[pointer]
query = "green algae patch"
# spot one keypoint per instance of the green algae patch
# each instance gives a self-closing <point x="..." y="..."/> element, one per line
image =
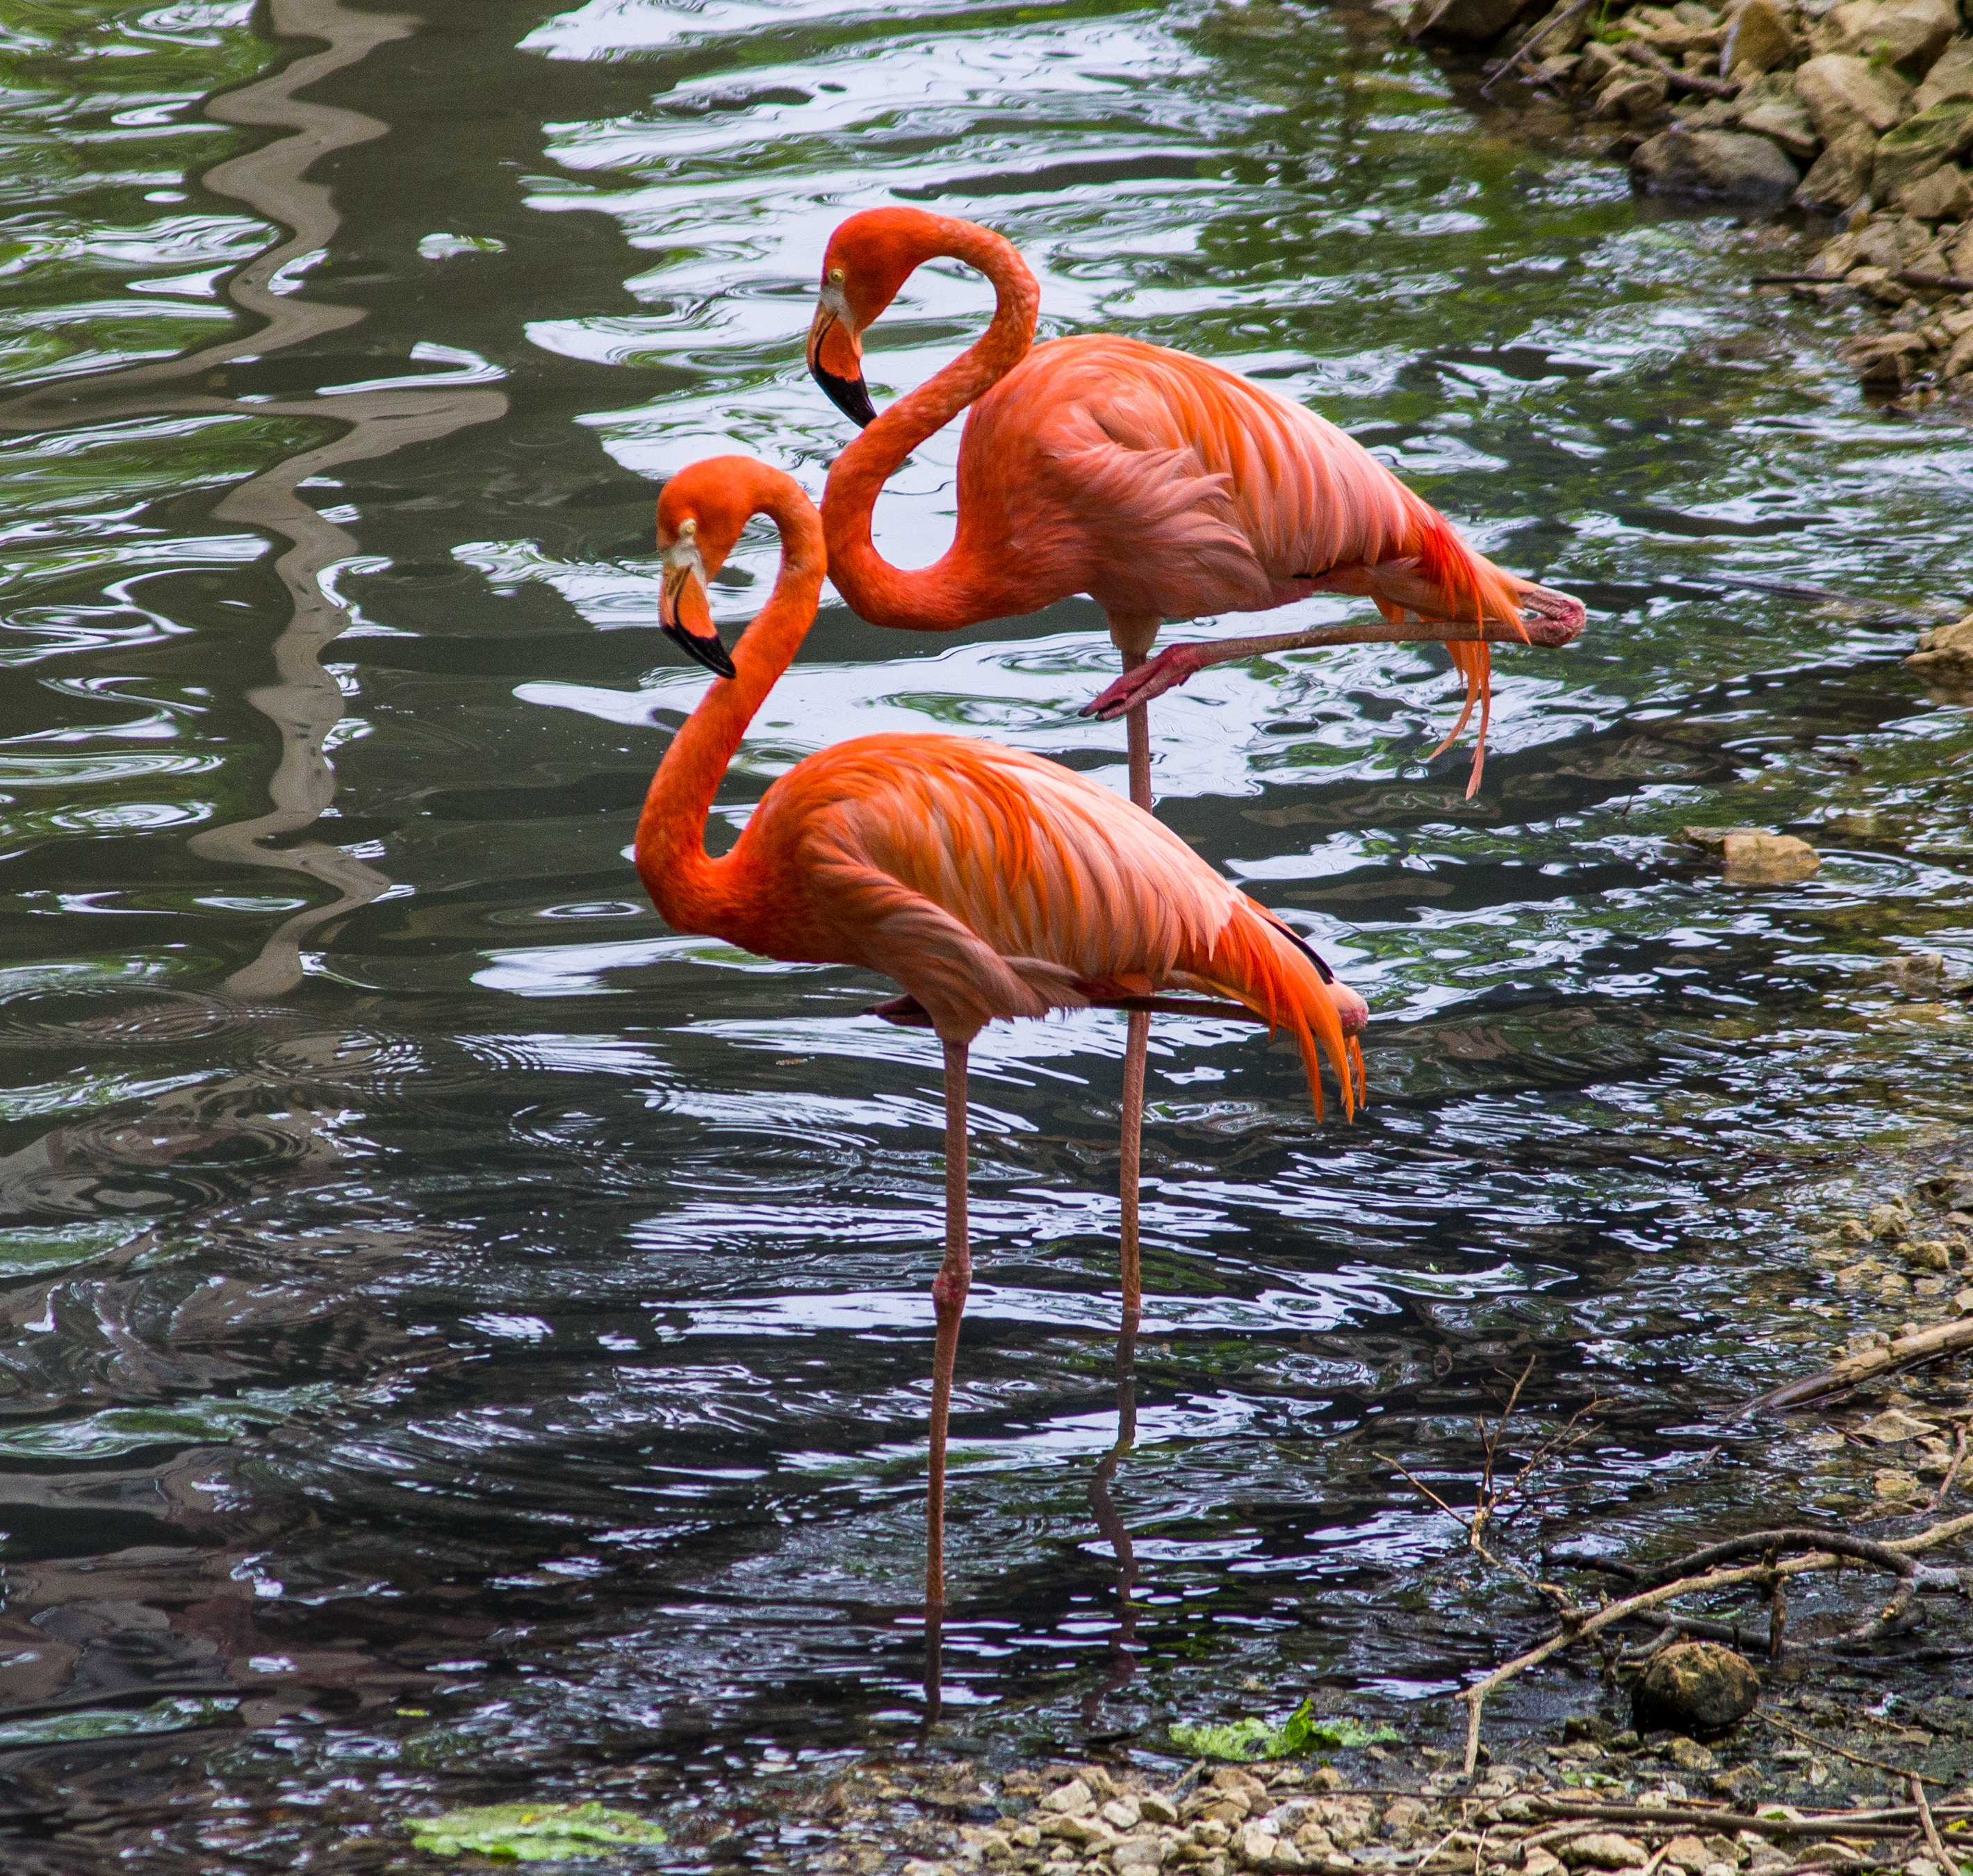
<point x="534" y="1833"/>
<point x="1301" y="1732"/>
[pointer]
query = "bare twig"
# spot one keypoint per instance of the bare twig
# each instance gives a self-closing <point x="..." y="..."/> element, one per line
<point x="1528" y="45"/>
<point x="1927" y="1345"/>
<point x="1951" y="1471"/>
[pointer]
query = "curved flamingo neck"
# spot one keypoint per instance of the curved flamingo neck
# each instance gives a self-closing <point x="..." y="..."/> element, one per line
<point x="951" y="592"/>
<point x="687" y="885"/>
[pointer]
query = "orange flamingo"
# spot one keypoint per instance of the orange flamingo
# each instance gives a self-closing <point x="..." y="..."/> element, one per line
<point x="1161" y="486"/>
<point x="987" y="882"/>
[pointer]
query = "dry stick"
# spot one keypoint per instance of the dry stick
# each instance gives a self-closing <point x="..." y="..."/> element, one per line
<point x="1843" y="1752"/>
<point x="1579" y="1626"/>
<point x="1927" y="1345"/>
<point x="1931" y="1835"/>
<point x="1951" y="1471"/>
<point x="1907" y="276"/>
<point x="1654" y="1819"/>
<point x="1528" y="45"/>
<point x="1945" y="282"/>
<point x="1653" y="60"/>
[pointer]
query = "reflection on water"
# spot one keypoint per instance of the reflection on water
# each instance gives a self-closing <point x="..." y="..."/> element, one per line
<point x="464" y="1339"/>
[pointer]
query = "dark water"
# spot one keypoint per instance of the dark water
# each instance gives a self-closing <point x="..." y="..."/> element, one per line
<point x="461" y="1337"/>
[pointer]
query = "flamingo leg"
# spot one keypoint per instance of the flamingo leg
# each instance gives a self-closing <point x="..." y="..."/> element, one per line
<point x="1136" y="1044"/>
<point x="948" y="1292"/>
<point x="1154" y="677"/>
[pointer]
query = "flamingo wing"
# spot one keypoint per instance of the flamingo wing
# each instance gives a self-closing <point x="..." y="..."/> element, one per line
<point x="992" y="883"/>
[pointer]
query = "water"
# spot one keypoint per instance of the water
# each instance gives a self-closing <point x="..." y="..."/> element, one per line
<point x="462" y="1336"/>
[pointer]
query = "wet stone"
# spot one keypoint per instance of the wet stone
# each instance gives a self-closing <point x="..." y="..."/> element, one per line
<point x="1698" y="1687"/>
<point x="1842" y="93"/>
<point x="1913" y="151"/>
<point x="1759" y="39"/>
<point x="1726" y="165"/>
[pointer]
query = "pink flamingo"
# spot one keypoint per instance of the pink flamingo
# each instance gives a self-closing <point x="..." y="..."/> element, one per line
<point x="1161" y="486"/>
<point x="988" y="883"/>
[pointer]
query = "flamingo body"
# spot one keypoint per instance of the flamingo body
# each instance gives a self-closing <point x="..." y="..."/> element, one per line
<point x="991" y="884"/>
<point x="1162" y="485"/>
<point x="1159" y="484"/>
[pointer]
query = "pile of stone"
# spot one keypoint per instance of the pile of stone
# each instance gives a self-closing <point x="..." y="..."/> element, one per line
<point x="1861" y="110"/>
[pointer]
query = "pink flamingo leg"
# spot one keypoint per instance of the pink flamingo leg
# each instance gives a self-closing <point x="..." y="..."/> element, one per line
<point x="1137" y="1040"/>
<point x="948" y="1292"/>
<point x="1172" y="667"/>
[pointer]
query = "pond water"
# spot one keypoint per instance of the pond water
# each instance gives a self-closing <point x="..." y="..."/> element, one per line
<point x="461" y="1337"/>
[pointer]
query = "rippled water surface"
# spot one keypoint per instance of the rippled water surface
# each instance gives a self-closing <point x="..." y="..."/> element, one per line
<point x="460" y="1336"/>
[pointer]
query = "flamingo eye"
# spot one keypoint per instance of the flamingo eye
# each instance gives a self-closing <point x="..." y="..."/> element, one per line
<point x="836" y="276"/>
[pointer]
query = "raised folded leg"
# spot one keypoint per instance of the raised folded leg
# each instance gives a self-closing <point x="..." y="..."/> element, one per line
<point x="1171" y="668"/>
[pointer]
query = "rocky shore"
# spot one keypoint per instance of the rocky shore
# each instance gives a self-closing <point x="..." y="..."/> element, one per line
<point x="1859" y="113"/>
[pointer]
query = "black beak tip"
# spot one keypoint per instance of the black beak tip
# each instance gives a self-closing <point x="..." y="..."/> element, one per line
<point x="850" y="395"/>
<point x="707" y="651"/>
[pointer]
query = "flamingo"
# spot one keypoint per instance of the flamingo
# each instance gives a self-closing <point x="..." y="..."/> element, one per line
<point x="986" y="882"/>
<point x="1159" y="484"/>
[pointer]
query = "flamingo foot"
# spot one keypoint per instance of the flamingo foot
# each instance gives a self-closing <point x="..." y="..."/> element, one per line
<point x="1553" y="619"/>
<point x="1351" y="1012"/>
<point x="1152" y="679"/>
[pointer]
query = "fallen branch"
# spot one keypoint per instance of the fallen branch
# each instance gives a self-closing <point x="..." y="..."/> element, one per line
<point x="1653" y="59"/>
<point x="1944" y="283"/>
<point x="1905" y="276"/>
<point x="1584" y="1623"/>
<point x="1925" y="1817"/>
<point x="1928" y="1345"/>
<point x="1842" y="1824"/>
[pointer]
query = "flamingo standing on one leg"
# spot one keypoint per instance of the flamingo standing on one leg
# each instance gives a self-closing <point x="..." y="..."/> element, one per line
<point x="1161" y="486"/>
<point x="988" y="882"/>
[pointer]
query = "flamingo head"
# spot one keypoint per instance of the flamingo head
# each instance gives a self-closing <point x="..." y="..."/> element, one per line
<point x="700" y="514"/>
<point x="869" y="257"/>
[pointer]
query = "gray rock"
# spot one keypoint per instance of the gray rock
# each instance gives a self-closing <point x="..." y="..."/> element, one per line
<point x="1632" y="94"/>
<point x="1785" y="124"/>
<point x="1840" y="176"/>
<point x="1920" y="145"/>
<point x="1909" y="34"/>
<point x="1724" y="164"/>
<point x="1759" y="39"/>
<point x="1464" y="22"/>
<point x="1593" y="70"/>
<point x="1842" y="92"/>
<point x="1952" y="77"/>
<point x="1883" y="360"/>
<point x="1944" y="195"/>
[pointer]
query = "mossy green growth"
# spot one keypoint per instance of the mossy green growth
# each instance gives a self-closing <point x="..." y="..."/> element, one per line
<point x="534" y="1833"/>
<point x="1301" y="1732"/>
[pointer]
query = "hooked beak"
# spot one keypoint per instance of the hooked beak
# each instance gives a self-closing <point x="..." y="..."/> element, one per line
<point x="687" y="620"/>
<point x="836" y="362"/>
